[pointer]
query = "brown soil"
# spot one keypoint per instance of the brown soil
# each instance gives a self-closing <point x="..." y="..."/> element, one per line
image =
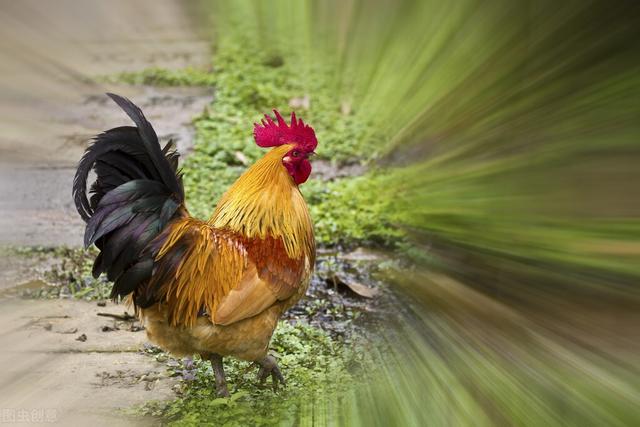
<point x="47" y="367"/>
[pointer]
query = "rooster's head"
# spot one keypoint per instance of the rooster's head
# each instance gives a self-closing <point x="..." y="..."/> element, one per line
<point x="299" y="135"/>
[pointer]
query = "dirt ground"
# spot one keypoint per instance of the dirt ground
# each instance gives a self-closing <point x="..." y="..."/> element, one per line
<point x="48" y="367"/>
<point x="50" y="106"/>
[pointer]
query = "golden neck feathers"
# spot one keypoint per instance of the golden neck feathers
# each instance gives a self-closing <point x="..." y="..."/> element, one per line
<point x="265" y="202"/>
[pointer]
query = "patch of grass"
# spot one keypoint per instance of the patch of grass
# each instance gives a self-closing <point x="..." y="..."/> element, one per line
<point x="38" y="251"/>
<point x="70" y="277"/>
<point x="349" y="211"/>
<point x="164" y="77"/>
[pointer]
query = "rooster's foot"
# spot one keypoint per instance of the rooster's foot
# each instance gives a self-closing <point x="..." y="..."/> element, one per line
<point x="269" y="366"/>
<point x="218" y="372"/>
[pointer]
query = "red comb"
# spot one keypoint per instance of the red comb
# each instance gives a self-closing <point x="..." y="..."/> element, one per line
<point x="272" y="134"/>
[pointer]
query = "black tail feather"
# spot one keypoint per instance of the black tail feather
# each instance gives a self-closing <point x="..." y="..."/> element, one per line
<point x="137" y="192"/>
<point x="150" y="141"/>
<point x="123" y="139"/>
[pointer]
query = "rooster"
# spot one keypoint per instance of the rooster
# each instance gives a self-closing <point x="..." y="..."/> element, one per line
<point x="215" y="288"/>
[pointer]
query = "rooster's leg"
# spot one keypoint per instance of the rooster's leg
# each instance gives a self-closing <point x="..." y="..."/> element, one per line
<point x="269" y="366"/>
<point x="218" y="372"/>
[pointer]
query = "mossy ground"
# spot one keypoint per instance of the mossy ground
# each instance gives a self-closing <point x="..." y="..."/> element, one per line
<point x="318" y="368"/>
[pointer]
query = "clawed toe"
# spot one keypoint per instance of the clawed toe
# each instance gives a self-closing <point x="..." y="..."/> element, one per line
<point x="222" y="391"/>
<point x="269" y="366"/>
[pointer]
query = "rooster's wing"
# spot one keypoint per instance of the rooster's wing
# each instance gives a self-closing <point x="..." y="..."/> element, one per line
<point x="197" y="266"/>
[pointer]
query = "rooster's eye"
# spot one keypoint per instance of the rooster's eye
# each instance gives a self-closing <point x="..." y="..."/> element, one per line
<point x="295" y="153"/>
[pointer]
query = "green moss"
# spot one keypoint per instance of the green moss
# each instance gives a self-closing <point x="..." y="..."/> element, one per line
<point x="164" y="77"/>
<point x="352" y="210"/>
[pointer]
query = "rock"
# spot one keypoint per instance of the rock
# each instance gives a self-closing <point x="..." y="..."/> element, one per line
<point x="241" y="157"/>
<point x="345" y="108"/>
<point x="303" y="103"/>
<point x="342" y="282"/>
